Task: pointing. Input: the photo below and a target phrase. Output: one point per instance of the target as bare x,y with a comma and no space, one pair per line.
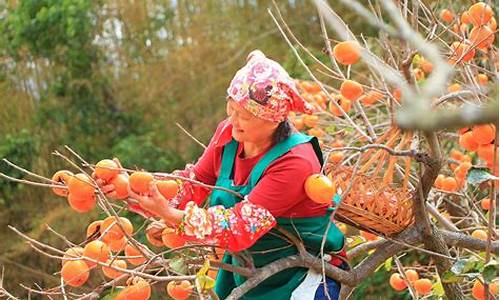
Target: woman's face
246,126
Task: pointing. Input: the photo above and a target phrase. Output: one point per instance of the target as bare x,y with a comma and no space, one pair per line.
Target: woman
257,153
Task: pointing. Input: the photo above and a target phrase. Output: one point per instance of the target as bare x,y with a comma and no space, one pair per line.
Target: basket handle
389,175
379,154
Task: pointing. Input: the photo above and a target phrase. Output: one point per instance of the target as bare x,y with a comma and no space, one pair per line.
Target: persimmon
493,287
130,252
438,183
110,229
313,88
480,13
320,98
478,290
462,169
466,158
419,74
336,157
112,273
449,184
426,66
75,273
336,144
342,227
171,239
486,152
484,134
62,176
468,142
139,289
463,130
454,88
423,286
344,103
298,123
462,52
397,282
482,79
311,120
94,228
120,182
117,245
447,16
411,275
96,250
72,252
319,188
139,182
482,37
456,155
106,169
351,89
465,18
179,290
480,234
81,204
168,188
347,53
80,186
486,203
492,24
317,132
371,97
396,93
153,235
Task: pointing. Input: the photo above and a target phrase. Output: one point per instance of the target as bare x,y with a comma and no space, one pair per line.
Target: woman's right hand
108,189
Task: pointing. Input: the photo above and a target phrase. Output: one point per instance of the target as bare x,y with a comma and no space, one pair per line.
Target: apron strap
228,156
280,149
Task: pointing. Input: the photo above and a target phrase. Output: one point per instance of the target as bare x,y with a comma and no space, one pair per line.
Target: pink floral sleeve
234,229
189,191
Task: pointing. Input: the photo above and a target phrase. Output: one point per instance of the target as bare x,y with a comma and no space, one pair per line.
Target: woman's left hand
153,203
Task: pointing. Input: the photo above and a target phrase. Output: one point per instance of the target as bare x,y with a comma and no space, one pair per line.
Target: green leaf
178,265
112,295
388,264
477,176
450,277
473,265
356,240
490,271
438,289
204,269
330,129
205,282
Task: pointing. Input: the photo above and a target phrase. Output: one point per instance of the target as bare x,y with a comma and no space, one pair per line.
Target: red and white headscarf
266,90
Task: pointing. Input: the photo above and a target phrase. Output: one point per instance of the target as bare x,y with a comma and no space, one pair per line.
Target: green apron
272,246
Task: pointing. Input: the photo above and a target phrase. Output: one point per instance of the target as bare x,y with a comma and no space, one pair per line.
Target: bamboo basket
376,203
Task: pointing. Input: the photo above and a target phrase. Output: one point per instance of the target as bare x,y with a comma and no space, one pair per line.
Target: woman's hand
107,188
157,205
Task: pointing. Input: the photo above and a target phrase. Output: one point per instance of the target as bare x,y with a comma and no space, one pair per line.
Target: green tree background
111,78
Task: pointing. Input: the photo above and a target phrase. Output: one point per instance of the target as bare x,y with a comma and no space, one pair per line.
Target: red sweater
281,187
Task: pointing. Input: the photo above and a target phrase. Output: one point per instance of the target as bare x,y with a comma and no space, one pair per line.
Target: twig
190,135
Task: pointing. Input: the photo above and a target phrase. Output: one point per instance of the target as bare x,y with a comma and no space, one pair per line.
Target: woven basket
375,203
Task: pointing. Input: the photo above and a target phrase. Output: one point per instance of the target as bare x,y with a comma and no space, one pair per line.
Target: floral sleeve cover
234,229
189,191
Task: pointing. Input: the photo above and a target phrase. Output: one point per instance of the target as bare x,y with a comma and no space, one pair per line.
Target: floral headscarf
266,90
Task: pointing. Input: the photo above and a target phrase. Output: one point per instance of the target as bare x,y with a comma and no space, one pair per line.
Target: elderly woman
257,153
